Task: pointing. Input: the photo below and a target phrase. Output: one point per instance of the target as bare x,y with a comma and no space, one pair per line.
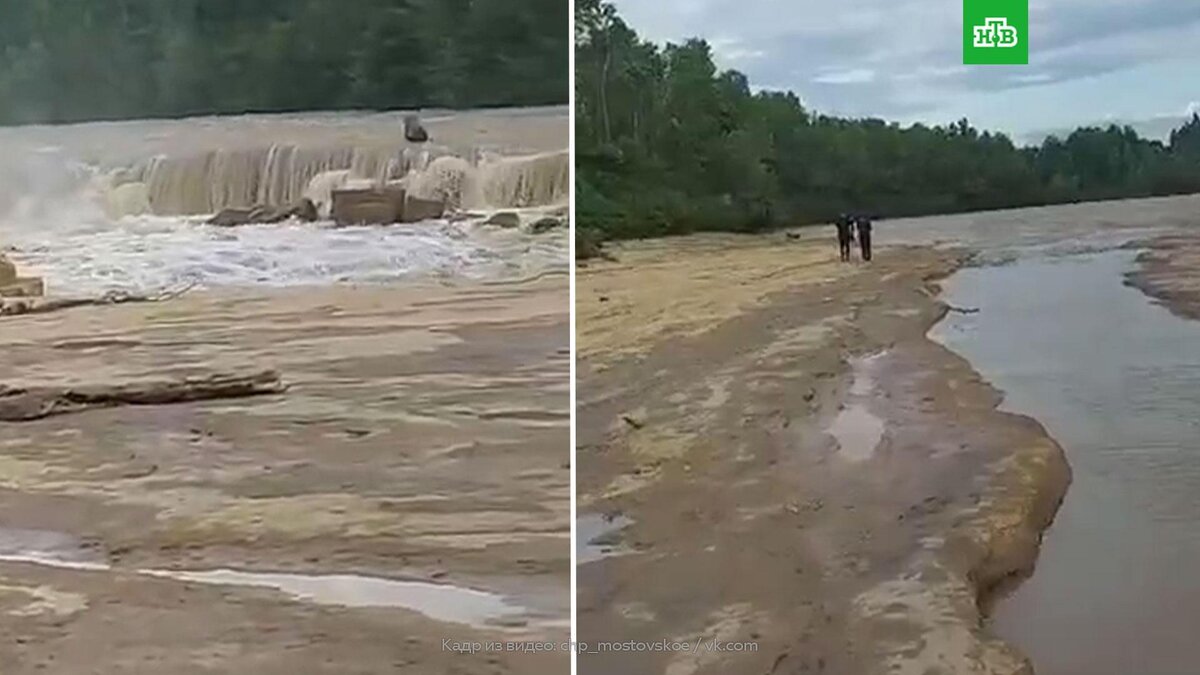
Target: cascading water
100,207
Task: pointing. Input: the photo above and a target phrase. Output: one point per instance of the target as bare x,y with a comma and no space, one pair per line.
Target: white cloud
853,76
730,51
930,73
1032,78
902,58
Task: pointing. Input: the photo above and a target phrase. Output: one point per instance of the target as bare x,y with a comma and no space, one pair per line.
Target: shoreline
955,550
988,555
1166,272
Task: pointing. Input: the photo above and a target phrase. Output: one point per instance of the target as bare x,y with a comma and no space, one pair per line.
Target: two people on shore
847,226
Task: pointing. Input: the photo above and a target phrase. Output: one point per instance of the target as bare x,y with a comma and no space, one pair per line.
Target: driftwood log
19,404
43,306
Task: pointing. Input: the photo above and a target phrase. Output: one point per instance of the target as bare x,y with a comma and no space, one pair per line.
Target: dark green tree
668,143
75,60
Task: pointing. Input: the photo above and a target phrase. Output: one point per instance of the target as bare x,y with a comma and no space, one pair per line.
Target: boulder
8,271
504,219
230,217
417,209
23,287
414,131
372,206
462,216
545,225
303,209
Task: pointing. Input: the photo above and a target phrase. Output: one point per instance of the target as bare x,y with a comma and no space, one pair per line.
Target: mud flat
717,374
405,483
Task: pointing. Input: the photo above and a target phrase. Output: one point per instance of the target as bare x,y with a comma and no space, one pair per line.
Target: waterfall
275,175
497,182
121,205
281,174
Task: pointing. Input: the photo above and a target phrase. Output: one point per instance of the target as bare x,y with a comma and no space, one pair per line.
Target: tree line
76,60
667,143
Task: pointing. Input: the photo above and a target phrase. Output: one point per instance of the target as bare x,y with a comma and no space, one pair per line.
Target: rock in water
8,271
545,225
413,129
383,206
304,210
13,286
504,219
417,209
368,207
230,217
23,287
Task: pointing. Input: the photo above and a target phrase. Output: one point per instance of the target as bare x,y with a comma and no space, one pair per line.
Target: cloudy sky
1090,60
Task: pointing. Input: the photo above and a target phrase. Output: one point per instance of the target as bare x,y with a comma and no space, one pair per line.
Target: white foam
149,253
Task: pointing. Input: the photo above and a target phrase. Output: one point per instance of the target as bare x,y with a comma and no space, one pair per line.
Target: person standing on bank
863,225
845,233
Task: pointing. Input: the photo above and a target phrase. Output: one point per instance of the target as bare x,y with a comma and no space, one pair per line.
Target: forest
667,143
77,60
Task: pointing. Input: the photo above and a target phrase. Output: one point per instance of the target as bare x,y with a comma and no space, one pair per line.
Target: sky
1090,61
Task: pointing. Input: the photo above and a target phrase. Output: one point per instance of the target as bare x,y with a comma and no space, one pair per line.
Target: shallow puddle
597,536
1116,380
857,431
441,602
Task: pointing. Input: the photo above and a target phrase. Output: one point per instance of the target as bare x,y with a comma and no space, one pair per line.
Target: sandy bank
714,372
1168,272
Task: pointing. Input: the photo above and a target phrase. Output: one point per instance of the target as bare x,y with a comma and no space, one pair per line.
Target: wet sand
1169,271
421,438
709,421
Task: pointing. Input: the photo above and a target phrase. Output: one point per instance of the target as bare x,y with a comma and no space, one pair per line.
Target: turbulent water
100,206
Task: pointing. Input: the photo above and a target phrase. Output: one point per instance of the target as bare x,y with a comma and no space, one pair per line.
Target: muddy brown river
1115,378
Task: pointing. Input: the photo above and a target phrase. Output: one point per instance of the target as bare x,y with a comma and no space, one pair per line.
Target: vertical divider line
574,634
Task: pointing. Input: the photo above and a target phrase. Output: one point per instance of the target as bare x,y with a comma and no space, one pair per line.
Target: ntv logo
995,33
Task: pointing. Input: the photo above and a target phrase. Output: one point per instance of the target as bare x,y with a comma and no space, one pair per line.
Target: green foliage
667,144
75,60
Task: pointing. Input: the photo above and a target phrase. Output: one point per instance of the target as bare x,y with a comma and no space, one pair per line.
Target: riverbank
802,468
1167,271
417,435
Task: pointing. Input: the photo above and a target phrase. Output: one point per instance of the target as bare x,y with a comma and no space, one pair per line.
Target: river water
95,207
1115,379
